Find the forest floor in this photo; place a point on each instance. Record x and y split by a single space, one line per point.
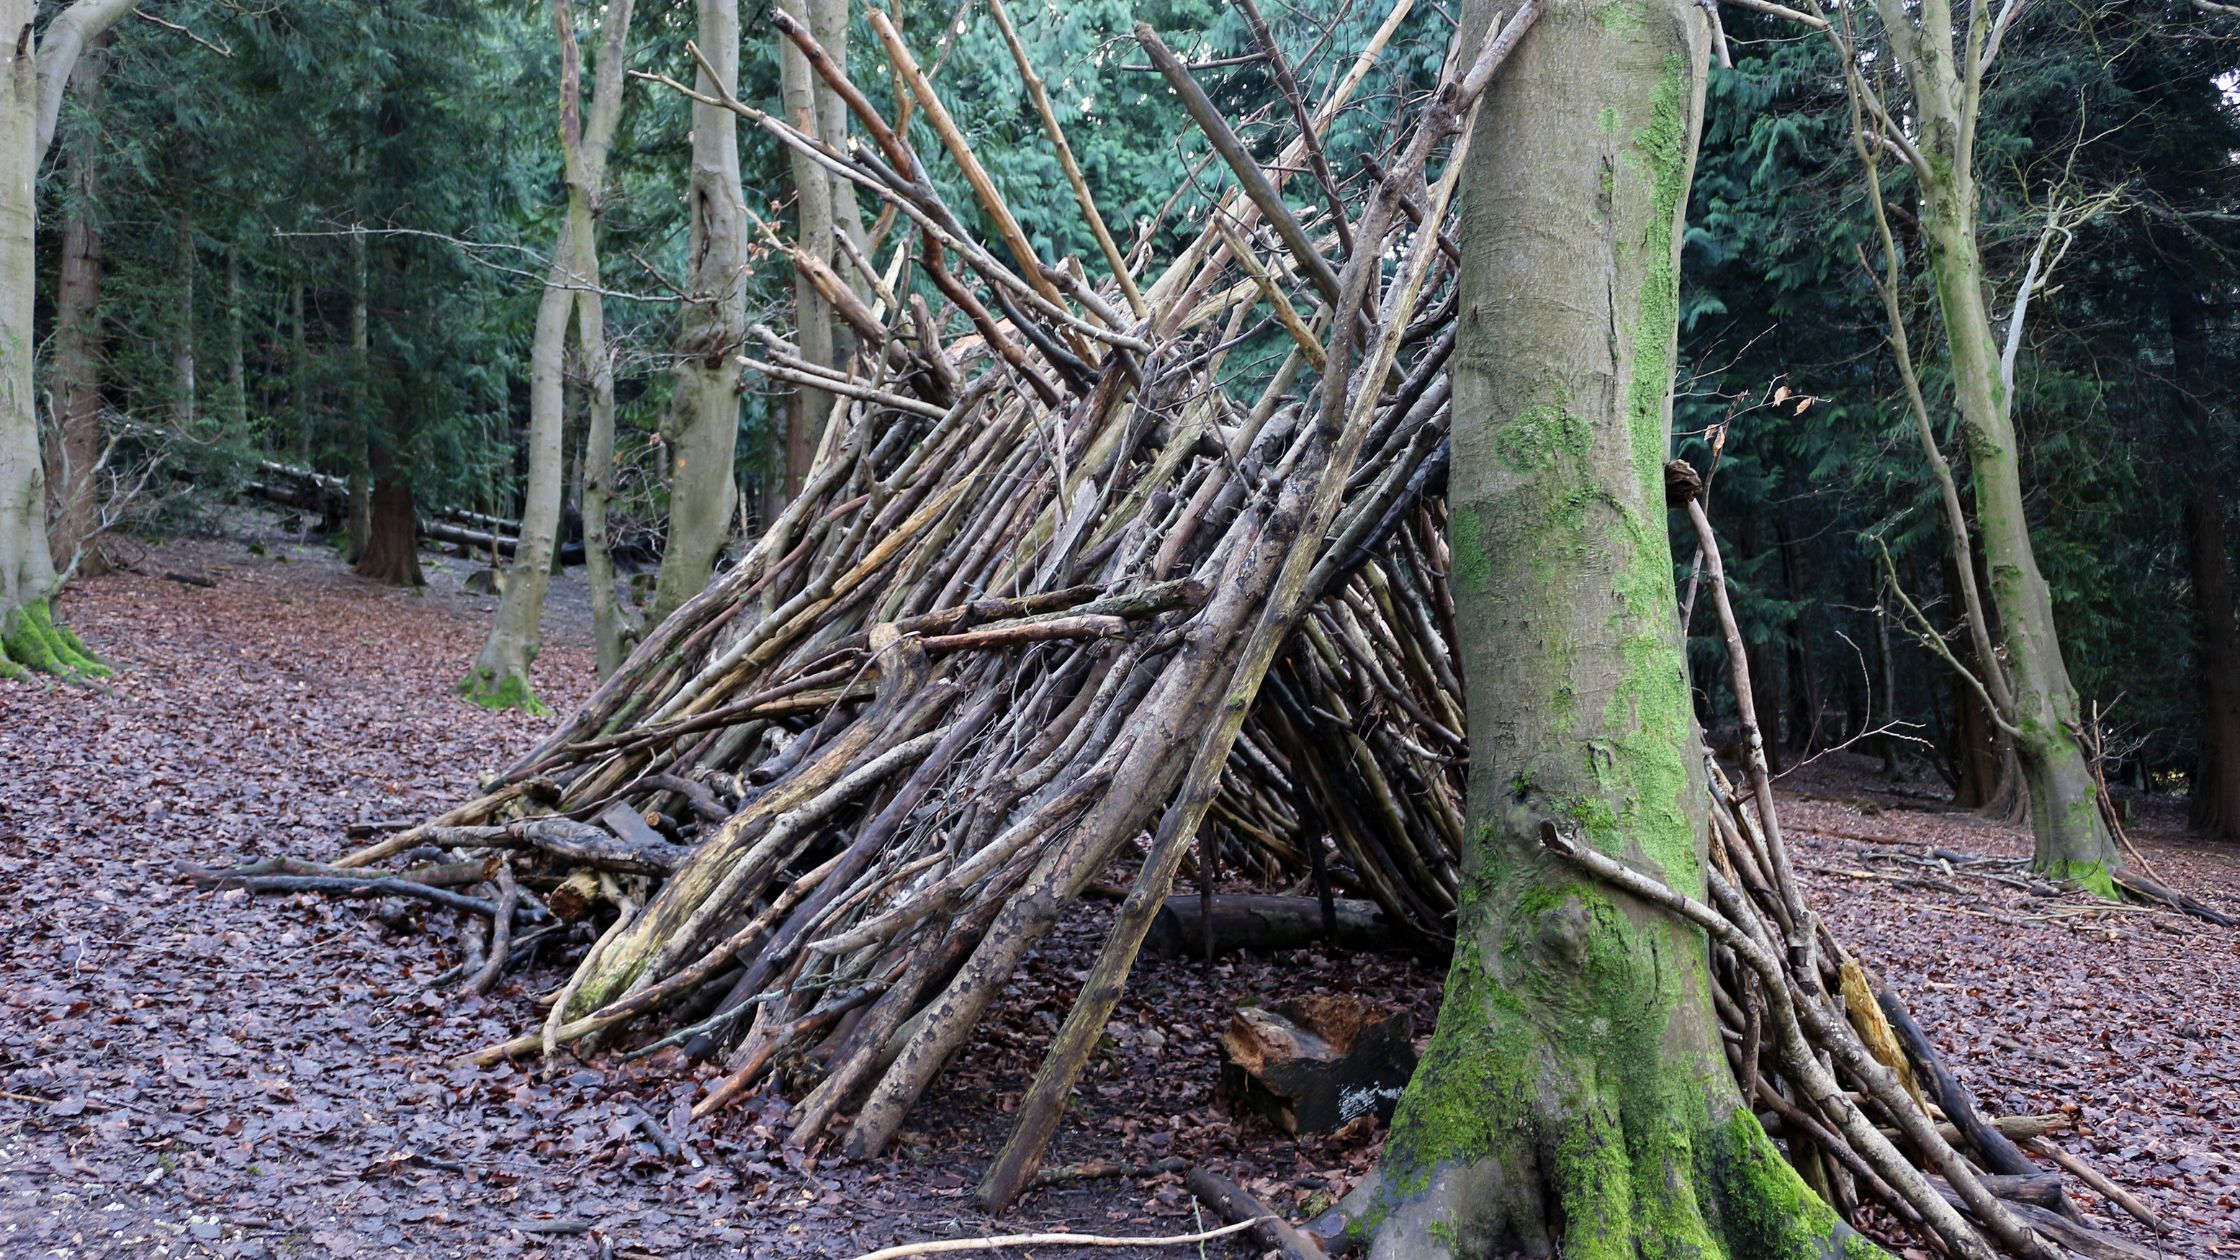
195 1074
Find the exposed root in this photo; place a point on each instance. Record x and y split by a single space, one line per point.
491 690
31 642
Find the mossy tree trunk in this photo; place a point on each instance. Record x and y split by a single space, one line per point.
2071 840
1575 1098
703 425
32 78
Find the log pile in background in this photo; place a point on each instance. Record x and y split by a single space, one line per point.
1081 583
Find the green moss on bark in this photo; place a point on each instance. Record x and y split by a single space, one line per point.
510 692
31 642
1466 548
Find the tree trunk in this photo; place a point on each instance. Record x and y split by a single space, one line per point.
1806 706
360 525
299 372
75 450
1989 774
500 677
182 326
703 425
807 409
2070 839
598 492
2216 783
1575 1095
237 371
29 639
392 554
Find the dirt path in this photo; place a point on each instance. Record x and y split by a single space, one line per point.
186 1075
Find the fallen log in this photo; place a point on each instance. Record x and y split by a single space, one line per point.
1265 923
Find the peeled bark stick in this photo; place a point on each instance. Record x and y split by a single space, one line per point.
1286 313
960 149
1234 1203
995 1241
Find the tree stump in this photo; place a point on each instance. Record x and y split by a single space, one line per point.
1313 1063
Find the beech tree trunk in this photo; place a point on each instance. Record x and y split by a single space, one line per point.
1575 1098
32 79
2070 839
2216 784
74 451
702 430
500 678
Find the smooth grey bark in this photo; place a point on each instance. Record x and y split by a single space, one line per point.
702 429
1575 1098
500 677
33 76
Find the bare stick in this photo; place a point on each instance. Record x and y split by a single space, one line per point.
994 1241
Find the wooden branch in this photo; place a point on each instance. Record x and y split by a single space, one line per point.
1249 175
995 1241
1236 1204
1113 258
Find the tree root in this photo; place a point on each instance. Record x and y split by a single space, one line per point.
490 690
32 643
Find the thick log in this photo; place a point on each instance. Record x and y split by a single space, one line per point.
1313 1063
1265 923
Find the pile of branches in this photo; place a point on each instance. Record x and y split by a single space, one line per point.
1080 589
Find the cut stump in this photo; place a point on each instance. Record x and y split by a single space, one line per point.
1313 1063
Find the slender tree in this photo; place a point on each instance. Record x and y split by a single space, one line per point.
1576 1099
702 430
1942 65
500 677
37 71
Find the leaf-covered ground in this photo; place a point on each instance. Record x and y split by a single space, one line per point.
188 1074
